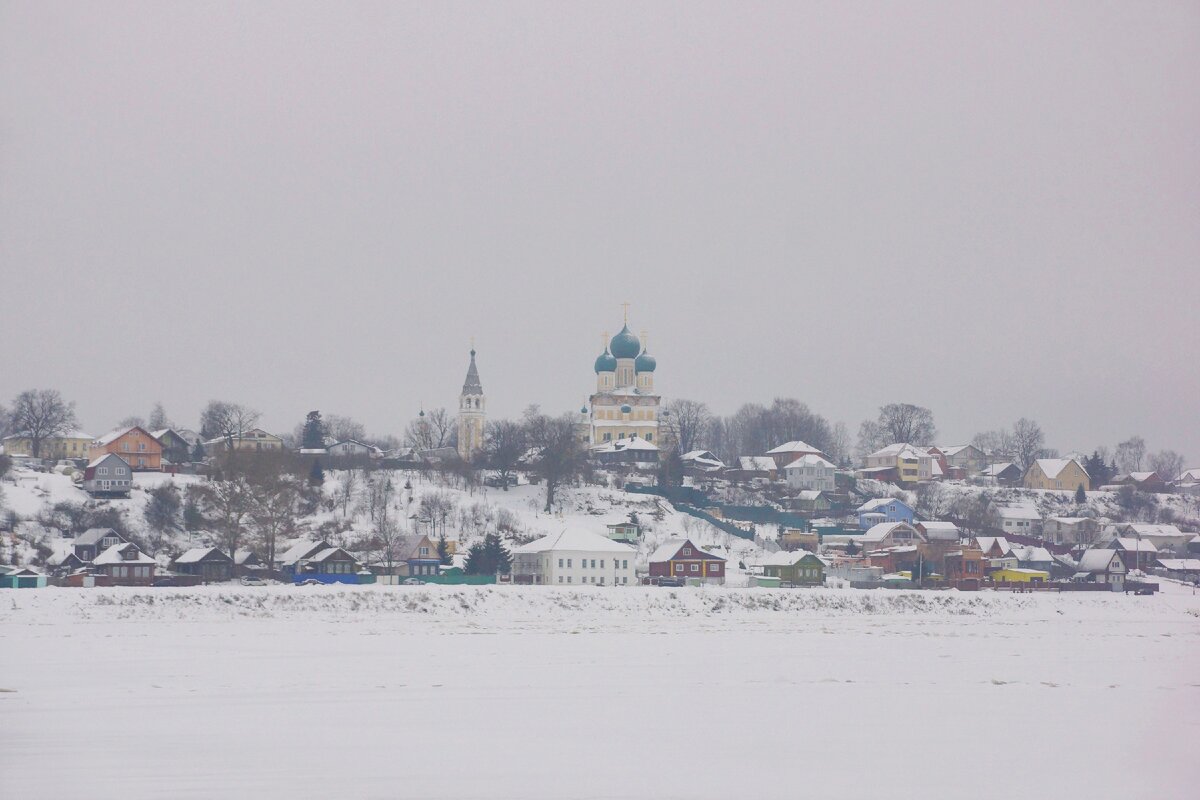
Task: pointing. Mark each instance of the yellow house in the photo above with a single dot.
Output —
(73, 444)
(1057, 473)
(254, 439)
(1019, 575)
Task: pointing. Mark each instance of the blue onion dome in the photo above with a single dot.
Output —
(625, 344)
(583, 409)
(625, 409)
(605, 362)
(645, 362)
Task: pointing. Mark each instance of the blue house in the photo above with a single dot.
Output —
(883, 509)
(308, 560)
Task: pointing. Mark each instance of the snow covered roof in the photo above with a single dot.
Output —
(116, 555)
(900, 450)
(300, 549)
(198, 554)
(1183, 564)
(72, 434)
(756, 463)
(1017, 512)
(955, 449)
(1068, 520)
(1095, 560)
(574, 540)
(996, 469)
(809, 460)
(1051, 467)
(113, 435)
(105, 457)
(94, 535)
(328, 552)
(242, 556)
(796, 446)
(1190, 475)
(877, 533)
(809, 494)
(1133, 545)
(668, 550)
(1147, 529)
(1032, 553)
(879, 502)
(620, 445)
(940, 530)
(784, 558)
(985, 543)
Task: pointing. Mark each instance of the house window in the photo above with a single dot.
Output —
(695, 567)
(101, 470)
(593, 563)
(568, 579)
(560, 580)
(602, 563)
(624, 564)
(568, 562)
(424, 551)
(560, 563)
(687, 551)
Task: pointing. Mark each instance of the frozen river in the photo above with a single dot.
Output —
(541, 693)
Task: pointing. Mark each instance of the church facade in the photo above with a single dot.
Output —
(624, 405)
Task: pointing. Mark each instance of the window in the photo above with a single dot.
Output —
(101, 470)
(687, 551)
(424, 551)
(568, 562)
(624, 563)
(593, 563)
(568, 579)
(560, 563)
(695, 567)
(560, 579)
(602, 563)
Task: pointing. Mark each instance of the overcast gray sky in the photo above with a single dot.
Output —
(988, 209)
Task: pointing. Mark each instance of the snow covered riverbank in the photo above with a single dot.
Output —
(549, 693)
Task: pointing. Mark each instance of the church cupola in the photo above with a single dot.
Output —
(472, 413)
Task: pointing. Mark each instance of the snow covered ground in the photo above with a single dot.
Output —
(543, 692)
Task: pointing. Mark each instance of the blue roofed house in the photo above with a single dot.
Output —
(883, 509)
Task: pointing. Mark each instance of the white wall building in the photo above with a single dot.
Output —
(572, 557)
(811, 472)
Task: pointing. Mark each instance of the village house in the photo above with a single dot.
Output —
(175, 448)
(964, 568)
(1009, 575)
(208, 564)
(812, 502)
(899, 463)
(574, 556)
(627, 532)
(94, 541)
(108, 475)
(632, 451)
(889, 534)
(136, 445)
(1180, 569)
(1002, 473)
(786, 453)
(967, 457)
(418, 555)
(1034, 558)
(754, 467)
(679, 558)
(1071, 530)
(72, 445)
(1142, 481)
(125, 565)
(1136, 553)
(799, 539)
(702, 461)
(1021, 519)
(811, 472)
(1063, 474)
(1163, 536)
(247, 562)
(883, 509)
(938, 530)
(799, 568)
(254, 440)
(318, 560)
(1102, 566)
(353, 450)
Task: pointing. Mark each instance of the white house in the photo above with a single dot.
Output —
(811, 472)
(788, 452)
(351, 449)
(1102, 566)
(703, 460)
(1024, 520)
(574, 556)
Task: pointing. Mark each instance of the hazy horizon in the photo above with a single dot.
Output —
(989, 210)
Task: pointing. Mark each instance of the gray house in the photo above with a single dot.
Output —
(93, 542)
(108, 476)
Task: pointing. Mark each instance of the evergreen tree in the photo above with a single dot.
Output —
(489, 557)
(313, 437)
(851, 548)
(198, 451)
(316, 475)
(443, 551)
(1080, 496)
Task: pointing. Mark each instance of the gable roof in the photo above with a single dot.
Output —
(198, 554)
(101, 459)
(955, 449)
(115, 555)
(809, 460)
(328, 553)
(1132, 545)
(302, 548)
(880, 502)
(940, 530)
(574, 539)
(1148, 529)
(1017, 512)
(1097, 560)
(117, 433)
(999, 468)
(1051, 467)
(985, 543)
(900, 450)
(796, 446)
(94, 535)
(881, 531)
(756, 463)
(1032, 553)
(671, 547)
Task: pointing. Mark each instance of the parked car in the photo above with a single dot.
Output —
(412, 582)
(670, 582)
(253, 580)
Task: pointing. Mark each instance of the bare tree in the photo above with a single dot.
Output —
(558, 453)
(274, 510)
(226, 504)
(1130, 454)
(437, 507)
(5, 421)
(897, 423)
(419, 433)
(504, 446)
(1167, 463)
(158, 418)
(132, 421)
(344, 428)
(347, 488)
(687, 421)
(442, 428)
(387, 543)
(933, 501)
(42, 414)
(839, 445)
(228, 420)
(1027, 442)
(998, 443)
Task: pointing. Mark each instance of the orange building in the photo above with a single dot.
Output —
(135, 445)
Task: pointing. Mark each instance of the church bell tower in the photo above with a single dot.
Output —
(472, 413)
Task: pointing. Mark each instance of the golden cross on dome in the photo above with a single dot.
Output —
(626, 307)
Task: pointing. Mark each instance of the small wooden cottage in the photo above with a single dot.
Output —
(108, 475)
(126, 565)
(679, 558)
(208, 564)
(799, 568)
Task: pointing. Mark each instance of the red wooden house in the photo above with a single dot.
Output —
(679, 558)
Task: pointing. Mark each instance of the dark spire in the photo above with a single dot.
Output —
(472, 385)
